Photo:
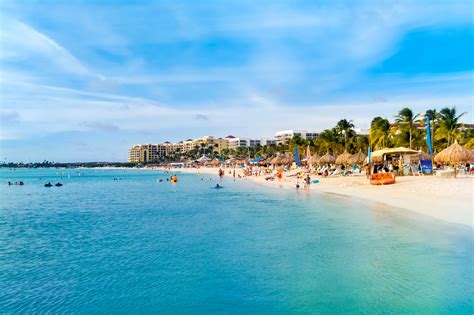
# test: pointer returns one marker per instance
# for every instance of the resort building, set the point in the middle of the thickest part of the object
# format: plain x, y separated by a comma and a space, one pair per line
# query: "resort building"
265, 141
141, 153
236, 143
284, 136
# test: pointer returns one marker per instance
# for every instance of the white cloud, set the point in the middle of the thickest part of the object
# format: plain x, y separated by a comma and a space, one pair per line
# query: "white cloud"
302, 67
21, 42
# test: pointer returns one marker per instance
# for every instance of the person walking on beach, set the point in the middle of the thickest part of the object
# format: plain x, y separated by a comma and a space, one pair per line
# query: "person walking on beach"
233, 174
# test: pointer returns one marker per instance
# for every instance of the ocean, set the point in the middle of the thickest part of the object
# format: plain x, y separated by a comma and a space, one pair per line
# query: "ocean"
138, 245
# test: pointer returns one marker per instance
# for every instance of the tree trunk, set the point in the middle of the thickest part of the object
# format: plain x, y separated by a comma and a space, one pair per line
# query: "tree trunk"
410, 137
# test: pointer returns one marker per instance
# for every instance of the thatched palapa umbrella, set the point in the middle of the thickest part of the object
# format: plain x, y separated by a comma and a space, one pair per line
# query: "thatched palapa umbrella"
315, 159
215, 163
327, 159
287, 159
275, 160
454, 154
357, 158
343, 158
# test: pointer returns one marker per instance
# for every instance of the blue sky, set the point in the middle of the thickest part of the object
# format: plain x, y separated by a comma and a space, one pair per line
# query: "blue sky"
85, 80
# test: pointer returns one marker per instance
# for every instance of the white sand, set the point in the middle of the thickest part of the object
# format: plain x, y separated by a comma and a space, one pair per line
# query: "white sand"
448, 199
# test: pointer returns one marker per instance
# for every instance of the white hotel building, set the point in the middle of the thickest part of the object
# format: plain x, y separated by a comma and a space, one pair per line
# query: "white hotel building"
284, 136
235, 143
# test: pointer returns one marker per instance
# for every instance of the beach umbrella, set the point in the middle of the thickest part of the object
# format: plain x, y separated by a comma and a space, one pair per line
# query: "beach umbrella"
297, 156
308, 155
285, 160
454, 154
327, 159
275, 160
203, 159
257, 160
471, 157
357, 158
315, 159
215, 163
343, 158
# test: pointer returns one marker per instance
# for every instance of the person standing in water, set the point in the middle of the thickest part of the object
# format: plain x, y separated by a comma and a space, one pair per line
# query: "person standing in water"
307, 182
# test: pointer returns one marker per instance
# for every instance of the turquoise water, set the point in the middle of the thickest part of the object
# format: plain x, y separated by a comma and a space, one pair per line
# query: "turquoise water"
98, 245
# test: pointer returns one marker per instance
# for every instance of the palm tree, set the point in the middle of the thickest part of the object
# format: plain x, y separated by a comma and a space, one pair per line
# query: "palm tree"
345, 129
328, 139
449, 123
406, 118
379, 131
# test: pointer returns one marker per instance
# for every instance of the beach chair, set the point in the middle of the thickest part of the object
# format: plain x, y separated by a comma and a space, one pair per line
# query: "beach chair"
415, 170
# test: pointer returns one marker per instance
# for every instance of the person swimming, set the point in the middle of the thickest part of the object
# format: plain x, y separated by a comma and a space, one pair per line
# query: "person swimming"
217, 186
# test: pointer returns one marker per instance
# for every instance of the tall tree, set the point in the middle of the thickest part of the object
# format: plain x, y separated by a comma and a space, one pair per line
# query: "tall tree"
449, 124
406, 119
379, 132
345, 130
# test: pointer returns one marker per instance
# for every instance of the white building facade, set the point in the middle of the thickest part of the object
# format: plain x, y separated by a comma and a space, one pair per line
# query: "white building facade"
285, 136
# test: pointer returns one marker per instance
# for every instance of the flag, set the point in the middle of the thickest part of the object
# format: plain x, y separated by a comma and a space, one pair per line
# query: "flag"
308, 156
297, 157
368, 155
428, 136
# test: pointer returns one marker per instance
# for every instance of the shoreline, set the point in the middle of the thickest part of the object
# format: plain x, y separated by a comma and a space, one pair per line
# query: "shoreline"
446, 199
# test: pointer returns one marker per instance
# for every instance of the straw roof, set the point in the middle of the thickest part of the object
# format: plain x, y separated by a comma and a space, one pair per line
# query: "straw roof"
471, 157
215, 163
454, 153
275, 160
315, 158
396, 151
357, 158
285, 160
343, 158
327, 158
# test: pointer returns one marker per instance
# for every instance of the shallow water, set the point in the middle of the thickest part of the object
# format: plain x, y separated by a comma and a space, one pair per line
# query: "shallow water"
136, 245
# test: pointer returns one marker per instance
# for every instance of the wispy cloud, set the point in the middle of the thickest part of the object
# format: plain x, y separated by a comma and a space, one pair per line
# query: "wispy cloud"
211, 67
22, 43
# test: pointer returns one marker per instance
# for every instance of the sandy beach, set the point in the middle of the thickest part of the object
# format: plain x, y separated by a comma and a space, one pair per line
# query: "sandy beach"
447, 199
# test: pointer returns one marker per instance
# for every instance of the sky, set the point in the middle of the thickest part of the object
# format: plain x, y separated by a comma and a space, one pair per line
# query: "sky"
85, 80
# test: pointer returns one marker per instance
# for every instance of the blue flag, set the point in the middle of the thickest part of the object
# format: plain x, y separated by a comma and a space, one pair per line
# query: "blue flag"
368, 155
297, 157
428, 136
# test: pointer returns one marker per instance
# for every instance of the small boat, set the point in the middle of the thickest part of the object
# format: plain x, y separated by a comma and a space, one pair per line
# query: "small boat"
382, 179
48, 185
58, 184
